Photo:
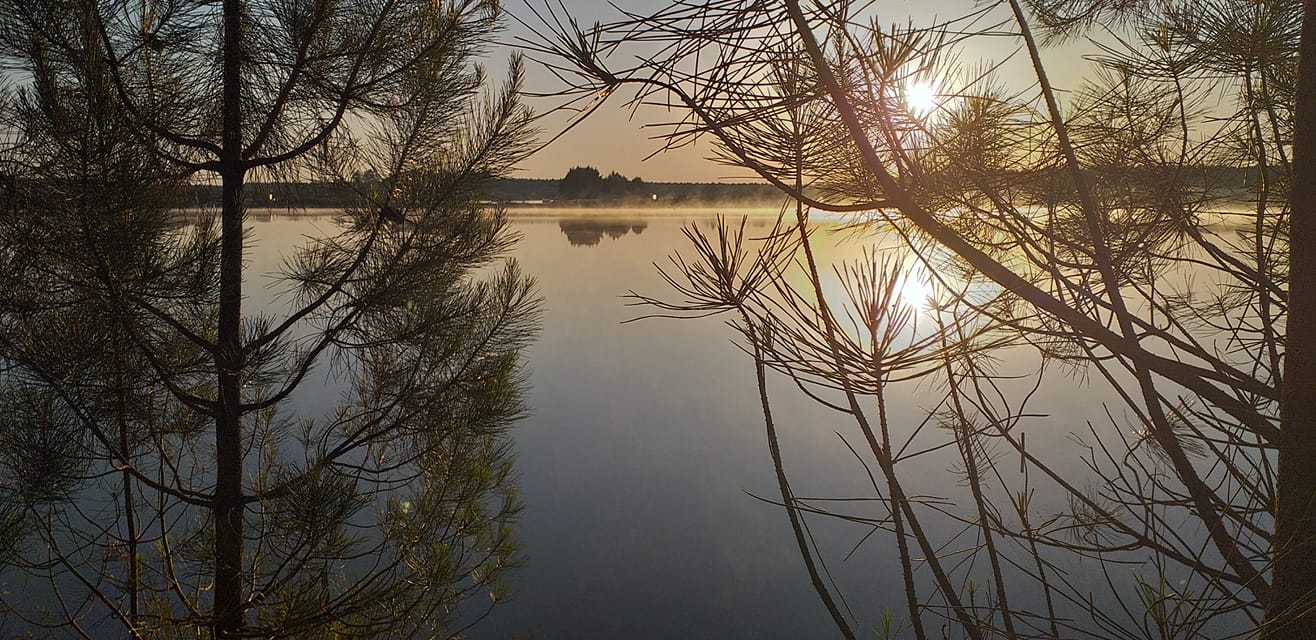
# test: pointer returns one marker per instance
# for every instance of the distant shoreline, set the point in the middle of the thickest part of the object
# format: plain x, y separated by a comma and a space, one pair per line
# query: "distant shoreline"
522, 211
509, 191
1219, 217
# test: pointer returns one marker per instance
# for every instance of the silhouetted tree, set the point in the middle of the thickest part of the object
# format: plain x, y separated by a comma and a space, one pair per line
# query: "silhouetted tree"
586, 183
580, 183
161, 482
1070, 228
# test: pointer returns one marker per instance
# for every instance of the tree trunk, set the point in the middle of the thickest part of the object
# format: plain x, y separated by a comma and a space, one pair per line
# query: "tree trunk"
1291, 613
229, 610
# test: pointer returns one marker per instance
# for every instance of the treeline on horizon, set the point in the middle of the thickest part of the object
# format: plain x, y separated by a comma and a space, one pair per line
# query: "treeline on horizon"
585, 187
579, 189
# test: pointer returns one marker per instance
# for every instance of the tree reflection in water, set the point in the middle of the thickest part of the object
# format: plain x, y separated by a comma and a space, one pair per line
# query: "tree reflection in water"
588, 233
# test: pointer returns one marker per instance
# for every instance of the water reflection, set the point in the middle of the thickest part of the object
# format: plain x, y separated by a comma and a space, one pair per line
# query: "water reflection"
643, 441
588, 233
647, 442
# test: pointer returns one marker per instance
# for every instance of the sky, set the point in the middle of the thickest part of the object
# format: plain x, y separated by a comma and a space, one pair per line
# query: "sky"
614, 139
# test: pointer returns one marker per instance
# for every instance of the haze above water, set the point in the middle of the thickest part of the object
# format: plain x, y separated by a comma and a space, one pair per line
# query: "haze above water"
644, 450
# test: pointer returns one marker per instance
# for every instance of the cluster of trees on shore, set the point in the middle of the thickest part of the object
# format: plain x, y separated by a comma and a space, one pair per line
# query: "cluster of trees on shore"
586, 186
586, 183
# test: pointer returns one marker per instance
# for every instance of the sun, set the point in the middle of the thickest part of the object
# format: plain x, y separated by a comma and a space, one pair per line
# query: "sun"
916, 290
917, 295
921, 97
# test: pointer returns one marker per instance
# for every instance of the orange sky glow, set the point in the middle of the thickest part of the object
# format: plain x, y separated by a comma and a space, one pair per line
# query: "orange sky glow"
614, 139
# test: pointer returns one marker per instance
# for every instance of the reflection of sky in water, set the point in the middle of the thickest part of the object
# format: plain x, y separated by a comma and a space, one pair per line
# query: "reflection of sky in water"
645, 441
634, 466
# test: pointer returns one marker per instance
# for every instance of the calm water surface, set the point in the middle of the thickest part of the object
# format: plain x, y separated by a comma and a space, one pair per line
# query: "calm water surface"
644, 450
644, 442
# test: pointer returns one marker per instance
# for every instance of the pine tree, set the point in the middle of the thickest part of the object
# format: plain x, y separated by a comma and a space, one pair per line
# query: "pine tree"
160, 481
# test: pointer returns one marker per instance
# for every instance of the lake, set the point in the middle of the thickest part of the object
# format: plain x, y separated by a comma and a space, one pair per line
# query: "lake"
644, 443
643, 465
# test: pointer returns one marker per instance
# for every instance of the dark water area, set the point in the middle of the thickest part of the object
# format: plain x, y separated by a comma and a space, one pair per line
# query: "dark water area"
643, 465
635, 464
